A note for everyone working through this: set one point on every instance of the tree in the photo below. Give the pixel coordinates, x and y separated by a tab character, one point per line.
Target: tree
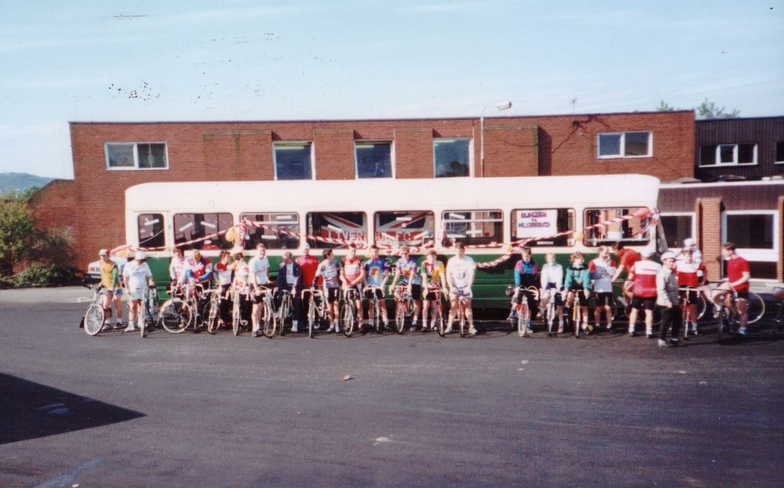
665	107
709	110
17	235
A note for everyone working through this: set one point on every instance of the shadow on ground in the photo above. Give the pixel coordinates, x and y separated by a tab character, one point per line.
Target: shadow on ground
31	410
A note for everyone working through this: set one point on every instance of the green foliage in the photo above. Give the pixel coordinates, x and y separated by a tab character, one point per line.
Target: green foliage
17	235
709	110
665	107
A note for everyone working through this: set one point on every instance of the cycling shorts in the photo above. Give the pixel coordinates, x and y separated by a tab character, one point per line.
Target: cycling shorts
642	303
416	292
432	294
379	293
603	298
689	297
553	292
333	295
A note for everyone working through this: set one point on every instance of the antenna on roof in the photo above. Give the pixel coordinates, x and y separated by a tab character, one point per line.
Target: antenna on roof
574	109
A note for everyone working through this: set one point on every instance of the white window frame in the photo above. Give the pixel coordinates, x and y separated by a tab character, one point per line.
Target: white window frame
375	142
759	255
135	166
735	146
693	216
470	154
622	146
294	143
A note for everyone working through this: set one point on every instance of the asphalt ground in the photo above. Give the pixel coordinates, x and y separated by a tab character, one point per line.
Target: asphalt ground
391	410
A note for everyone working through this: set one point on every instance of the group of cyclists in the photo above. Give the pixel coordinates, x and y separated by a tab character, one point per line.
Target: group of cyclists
647	284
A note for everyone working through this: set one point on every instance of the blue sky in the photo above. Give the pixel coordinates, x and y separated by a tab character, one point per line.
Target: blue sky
301	60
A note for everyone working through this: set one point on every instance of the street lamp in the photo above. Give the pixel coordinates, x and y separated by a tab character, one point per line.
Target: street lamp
498	106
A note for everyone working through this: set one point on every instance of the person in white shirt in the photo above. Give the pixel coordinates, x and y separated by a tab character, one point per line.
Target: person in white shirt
602	271
696	254
552	277
137	276
460	271
259	277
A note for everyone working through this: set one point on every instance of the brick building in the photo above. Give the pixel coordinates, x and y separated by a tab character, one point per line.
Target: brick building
110	157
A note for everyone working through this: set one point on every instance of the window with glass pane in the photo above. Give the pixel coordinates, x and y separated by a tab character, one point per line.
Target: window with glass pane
624	145
452	157
152	155
677	228
374	160
751	231
708	155
342	226
636	143
120	156
197	226
136	155
538	226
631	229
293	161
472	227
396	229
151	230
609	145
275	230
780	152
747	154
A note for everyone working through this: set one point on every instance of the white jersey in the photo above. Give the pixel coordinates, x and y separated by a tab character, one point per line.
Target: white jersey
259	270
552	273
460	272
136	275
696	256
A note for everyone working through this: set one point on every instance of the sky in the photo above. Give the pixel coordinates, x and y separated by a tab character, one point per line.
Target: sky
259	60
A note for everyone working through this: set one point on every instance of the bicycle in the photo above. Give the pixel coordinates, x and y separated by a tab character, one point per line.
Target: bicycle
726	311
94	316
523	309
375	303
178	314
778	320
211	310
621	307
150	308
438	308
404	306
269	321
577	314
284	309
687	293
316	311
550	310
237	322
348	310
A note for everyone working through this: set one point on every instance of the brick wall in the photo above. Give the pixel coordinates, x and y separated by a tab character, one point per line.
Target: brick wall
54	206
708	211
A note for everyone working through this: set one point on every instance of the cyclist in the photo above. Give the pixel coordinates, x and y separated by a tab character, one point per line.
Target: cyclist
668	299
258	268
352	275
376	274
602	271
224	270
460	271
525	272
627	257
578	279
691	245
692	275
241	282
433	280
289	278
137	275
329	270
111	281
308	264
738	276
552	279
643	277
407	268
177	266
198	269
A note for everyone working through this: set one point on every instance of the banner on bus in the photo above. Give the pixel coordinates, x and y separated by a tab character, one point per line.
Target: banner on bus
536	223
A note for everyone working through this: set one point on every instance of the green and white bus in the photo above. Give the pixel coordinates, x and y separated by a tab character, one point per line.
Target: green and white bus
493	217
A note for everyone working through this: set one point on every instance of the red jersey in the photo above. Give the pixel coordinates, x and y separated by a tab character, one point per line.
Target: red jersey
691	274
627	258
644	273
735	269
308	264
352	268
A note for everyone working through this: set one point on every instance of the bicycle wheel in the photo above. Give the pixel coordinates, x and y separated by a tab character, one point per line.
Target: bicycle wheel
348	316
284	311
268	320
377	315
577	318
93	319
550	310
400	318
702	306
236	316
176	315
211	313
756	307
311	317
722	324
522	320
461	318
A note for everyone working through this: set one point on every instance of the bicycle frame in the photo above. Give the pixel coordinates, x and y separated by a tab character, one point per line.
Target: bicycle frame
315	312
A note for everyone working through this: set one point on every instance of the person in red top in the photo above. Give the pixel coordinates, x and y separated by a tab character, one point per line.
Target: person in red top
352	274
738	276
642	274
692	275
627	259
308	264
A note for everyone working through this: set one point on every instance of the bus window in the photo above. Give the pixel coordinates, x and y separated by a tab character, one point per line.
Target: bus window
629	227
474	227
395	229
151	230
344	226
273	233
541	225
197	226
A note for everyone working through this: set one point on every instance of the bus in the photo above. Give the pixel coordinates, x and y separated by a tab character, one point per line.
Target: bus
492	217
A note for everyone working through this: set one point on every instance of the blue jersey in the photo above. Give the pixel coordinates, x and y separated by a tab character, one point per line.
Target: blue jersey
375	270
409	270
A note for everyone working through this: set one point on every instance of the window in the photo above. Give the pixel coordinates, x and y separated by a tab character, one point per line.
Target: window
273	232
728	154
780	152
677	228
151	230
341	226
452	157
602	228
136	155
373	159
625	145
189	227
754	235
293	161
542	225
472	227
396	229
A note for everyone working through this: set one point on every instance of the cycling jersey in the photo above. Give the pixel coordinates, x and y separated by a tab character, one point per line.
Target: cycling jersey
460	272
225	272
552	274
109	274
627	258
241	276
330	272
644	274
177	268
602	272
200	270
136	275
375	269
735	269
352	269
259	269
577	278
409	271
433	272
690	274
308	264
525	273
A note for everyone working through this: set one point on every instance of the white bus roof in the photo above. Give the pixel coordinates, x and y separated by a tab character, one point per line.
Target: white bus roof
397	194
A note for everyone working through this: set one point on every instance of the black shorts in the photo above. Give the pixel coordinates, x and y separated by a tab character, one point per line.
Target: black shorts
641	303
603	298
333	295
416	292
552	289
432	294
689	297
379	293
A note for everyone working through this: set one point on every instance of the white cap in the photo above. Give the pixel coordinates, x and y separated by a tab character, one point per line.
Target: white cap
668	255
646	253
688	242
306	246
103	252
140	255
